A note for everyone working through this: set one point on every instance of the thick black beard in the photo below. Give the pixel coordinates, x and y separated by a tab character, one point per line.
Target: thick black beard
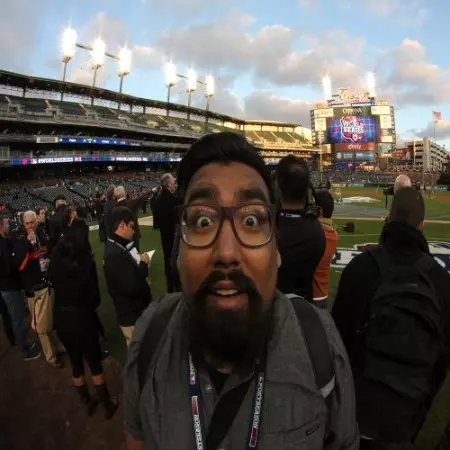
227	337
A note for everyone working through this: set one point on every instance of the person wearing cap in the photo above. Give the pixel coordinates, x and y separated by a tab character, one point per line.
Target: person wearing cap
231	368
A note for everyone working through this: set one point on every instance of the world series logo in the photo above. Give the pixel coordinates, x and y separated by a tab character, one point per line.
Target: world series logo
352	128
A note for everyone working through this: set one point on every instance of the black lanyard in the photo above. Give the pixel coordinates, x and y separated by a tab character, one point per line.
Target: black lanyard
198	412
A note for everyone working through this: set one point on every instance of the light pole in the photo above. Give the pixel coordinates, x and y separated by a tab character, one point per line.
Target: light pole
68	47
98	59
124	69
170	72
328	93
192	86
210	89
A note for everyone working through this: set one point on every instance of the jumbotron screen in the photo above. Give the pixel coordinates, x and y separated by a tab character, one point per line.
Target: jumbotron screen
351	129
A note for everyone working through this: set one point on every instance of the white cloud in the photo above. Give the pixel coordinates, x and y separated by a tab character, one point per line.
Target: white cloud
410	79
265	105
270	53
441	130
19	31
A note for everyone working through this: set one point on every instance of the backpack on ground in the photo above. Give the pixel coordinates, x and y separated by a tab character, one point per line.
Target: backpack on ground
399	347
313	330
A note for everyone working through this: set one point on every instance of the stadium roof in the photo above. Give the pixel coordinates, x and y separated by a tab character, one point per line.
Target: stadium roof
28	82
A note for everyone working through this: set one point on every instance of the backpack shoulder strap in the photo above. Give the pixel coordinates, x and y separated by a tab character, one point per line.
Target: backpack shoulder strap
152	339
316	342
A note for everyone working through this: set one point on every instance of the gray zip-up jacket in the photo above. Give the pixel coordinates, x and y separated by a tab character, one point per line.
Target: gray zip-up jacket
294	412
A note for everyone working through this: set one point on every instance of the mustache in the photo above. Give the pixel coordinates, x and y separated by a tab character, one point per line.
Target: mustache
243	282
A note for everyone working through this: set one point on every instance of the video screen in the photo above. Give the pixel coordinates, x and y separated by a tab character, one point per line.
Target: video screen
350	129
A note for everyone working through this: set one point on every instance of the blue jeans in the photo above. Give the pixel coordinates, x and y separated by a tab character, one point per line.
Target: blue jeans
15	302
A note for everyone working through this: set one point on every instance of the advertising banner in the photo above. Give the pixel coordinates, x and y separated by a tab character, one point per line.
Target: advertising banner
342	111
386	122
355	147
323	113
321	124
381	110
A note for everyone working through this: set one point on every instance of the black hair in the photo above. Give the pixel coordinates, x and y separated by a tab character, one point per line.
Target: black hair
59	197
121	214
325	201
408	206
72	250
225	148
38	210
293	179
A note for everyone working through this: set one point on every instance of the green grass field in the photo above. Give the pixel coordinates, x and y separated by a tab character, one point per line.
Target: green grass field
365	232
437	203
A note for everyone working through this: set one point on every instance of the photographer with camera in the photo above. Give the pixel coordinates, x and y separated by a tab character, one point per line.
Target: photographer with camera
30	257
301	239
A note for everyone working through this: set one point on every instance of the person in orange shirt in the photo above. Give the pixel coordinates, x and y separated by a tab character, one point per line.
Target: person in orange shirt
321	279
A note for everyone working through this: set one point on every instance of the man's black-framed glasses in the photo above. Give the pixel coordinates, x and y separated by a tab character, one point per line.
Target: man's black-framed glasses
253	224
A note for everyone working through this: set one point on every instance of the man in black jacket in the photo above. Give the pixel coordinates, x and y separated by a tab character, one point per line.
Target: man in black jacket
126	272
133	204
12	294
108	210
56	221
30	256
165	217
403	241
301	239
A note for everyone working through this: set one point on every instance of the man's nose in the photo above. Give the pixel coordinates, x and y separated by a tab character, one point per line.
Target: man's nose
227	249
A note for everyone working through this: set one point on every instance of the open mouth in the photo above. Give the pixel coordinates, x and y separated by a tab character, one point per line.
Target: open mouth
226	292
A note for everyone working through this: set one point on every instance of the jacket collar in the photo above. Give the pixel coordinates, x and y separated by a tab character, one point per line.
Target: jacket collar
403	235
122	242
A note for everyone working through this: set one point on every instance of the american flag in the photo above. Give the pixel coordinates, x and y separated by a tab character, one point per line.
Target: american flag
437	116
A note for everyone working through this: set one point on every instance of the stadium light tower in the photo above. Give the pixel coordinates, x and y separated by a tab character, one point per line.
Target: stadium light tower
170	72
192	86
371	84
98	59
124	62
327	89
68	47
210	90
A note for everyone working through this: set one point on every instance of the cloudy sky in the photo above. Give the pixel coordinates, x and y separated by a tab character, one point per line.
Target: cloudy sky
268	57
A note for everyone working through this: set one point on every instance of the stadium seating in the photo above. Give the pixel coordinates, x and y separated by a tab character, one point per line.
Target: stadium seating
49	194
69	107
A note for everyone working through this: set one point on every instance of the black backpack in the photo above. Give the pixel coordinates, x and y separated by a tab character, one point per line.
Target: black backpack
400	345
316	341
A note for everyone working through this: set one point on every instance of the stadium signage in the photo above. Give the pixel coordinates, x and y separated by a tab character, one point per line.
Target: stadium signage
51	160
323	113
439	250
351	111
355	146
347	97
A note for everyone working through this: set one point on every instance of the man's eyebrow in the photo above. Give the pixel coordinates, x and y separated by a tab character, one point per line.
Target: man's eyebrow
253	193
200	193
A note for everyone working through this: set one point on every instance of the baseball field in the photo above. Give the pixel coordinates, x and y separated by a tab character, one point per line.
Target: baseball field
368	219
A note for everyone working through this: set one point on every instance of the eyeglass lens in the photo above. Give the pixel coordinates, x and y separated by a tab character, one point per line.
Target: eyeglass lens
252	224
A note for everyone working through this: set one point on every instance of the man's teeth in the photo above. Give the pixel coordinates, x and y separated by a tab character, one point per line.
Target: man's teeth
226	292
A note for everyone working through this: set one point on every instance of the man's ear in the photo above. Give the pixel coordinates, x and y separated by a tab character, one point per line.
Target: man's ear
421	226
278	259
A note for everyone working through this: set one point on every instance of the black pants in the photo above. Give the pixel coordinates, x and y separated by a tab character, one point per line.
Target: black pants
167	246
79	333
7	321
